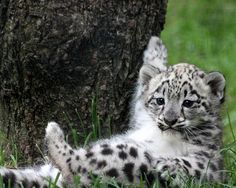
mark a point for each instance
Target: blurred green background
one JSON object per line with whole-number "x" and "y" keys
{"x": 203, "y": 32}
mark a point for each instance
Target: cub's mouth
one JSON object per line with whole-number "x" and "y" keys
{"x": 166, "y": 127}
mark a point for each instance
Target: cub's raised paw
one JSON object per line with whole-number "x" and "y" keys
{"x": 171, "y": 172}
{"x": 156, "y": 54}
{"x": 54, "y": 132}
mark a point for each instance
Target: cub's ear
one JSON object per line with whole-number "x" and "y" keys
{"x": 155, "y": 54}
{"x": 216, "y": 81}
{"x": 146, "y": 73}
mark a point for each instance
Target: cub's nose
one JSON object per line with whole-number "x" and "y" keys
{"x": 170, "y": 122}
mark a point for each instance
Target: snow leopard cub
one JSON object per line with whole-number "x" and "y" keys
{"x": 175, "y": 130}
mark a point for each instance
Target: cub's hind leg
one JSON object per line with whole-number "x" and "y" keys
{"x": 38, "y": 177}
{"x": 119, "y": 157}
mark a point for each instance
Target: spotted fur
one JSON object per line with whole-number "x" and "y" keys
{"x": 175, "y": 130}
{"x": 37, "y": 177}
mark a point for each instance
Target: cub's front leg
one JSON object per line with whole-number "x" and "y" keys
{"x": 201, "y": 166}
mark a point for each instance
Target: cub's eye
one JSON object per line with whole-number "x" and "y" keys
{"x": 188, "y": 103}
{"x": 160, "y": 101}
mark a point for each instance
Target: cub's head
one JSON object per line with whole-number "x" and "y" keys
{"x": 183, "y": 98}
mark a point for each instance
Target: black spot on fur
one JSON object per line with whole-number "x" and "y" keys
{"x": 104, "y": 145}
{"x": 205, "y": 106}
{"x": 212, "y": 146}
{"x": 65, "y": 146}
{"x": 150, "y": 179}
{"x": 70, "y": 168}
{"x": 148, "y": 157}
{"x": 186, "y": 170}
{"x": 187, "y": 163}
{"x": 84, "y": 170}
{"x": 89, "y": 176}
{"x": 176, "y": 160}
{"x": 57, "y": 146}
{"x": 122, "y": 155}
{"x": 101, "y": 164}
{"x": 71, "y": 152}
{"x": 213, "y": 167}
{"x": 25, "y": 183}
{"x": 143, "y": 171}
{"x": 120, "y": 146}
{"x": 198, "y": 142}
{"x": 203, "y": 153}
{"x": 112, "y": 173}
{"x": 197, "y": 174}
{"x": 93, "y": 161}
{"x": 35, "y": 184}
{"x": 211, "y": 177}
{"x": 200, "y": 165}
{"x": 79, "y": 169}
{"x": 89, "y": 154}
{"x": 173, "y": 175}
{"x": 9, "y": 178}
{"x": 107, "y": 151}
{"x": 68, "y": 160}
{"x": 185, "y": 93}
{"x": 128, "y": 170}
{"x": 133, "y": 152}
{"x": 165, "y": 167}
{"x": 77, "y": 157}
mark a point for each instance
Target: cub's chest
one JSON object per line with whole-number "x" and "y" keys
{"x": 171, "y": 146}
{"x": 160, "y": 143}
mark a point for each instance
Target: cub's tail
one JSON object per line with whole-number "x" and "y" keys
{"x": 40, "y": 177}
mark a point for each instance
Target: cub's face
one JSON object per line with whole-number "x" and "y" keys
{"x": 184, "y": 98}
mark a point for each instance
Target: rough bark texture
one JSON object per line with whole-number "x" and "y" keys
{"x": 55, "y": 55}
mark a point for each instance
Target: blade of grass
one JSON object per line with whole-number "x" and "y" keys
{"x": 230, "y": 125}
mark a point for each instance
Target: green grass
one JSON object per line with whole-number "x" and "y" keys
{"x": 200, "y": 32}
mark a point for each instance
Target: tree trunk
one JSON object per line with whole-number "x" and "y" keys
{"x": 56, "y": 55}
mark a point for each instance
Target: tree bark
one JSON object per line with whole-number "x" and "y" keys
{"x": 56, "y": 55}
